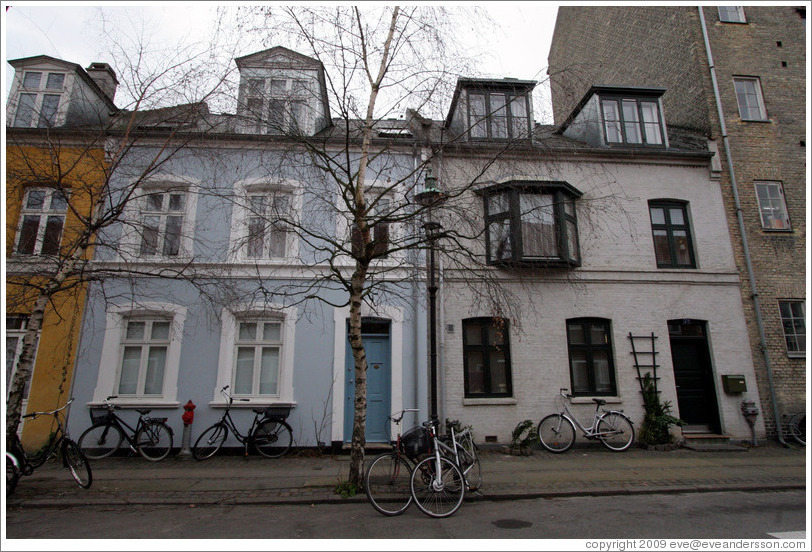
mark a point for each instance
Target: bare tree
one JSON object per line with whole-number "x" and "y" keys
{"x": 365, "y": 169}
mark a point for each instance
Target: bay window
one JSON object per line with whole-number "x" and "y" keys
{"x": 531, "y": 223}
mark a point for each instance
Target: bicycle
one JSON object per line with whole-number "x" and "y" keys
{"x": 797, "y": 427}
{"x": 437, "y": 483}
{"x": 23, "y": 463}
{"x": 386, "y": 481}
{"x": 151, "y": 437}
{"x": 611, "y": 427}
{"x": 270, "y": 434}
{"x": 461, "y": 448}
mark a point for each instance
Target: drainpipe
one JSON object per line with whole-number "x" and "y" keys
{"x": 750, "y": 274}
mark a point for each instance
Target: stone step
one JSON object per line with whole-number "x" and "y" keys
{"x": 709, "y": 442}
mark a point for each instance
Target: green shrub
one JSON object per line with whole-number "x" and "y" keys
{"x": 523, "y": 438}
{"x": 655, "y": 429}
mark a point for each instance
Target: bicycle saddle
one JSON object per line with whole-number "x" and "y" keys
{"x": 143, "y": 411}
{"x": 600, "y": 402}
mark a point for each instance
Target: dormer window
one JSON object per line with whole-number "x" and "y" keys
{"x": 531, "y": 223}
{"x": 498, "y": 114}
{"x": 632, "y": 121}
{"x": 277, "y": 105}
{"x": 39, "y": 99}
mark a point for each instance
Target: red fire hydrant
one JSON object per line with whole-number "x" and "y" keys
{"x": 188, "y": 413}
{"x": 188, "y": 417}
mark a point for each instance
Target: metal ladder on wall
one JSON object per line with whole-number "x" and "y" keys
{"x": 645, "y": 359}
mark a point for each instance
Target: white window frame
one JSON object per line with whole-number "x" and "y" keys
{"x": 133, "y": 221}
{"x": 759, "y": 95}
{"x": 230, "y": 320}
{"x": 777, "y": 204}
{"x": 307, "y": 96}
{"x": 112, "y": 351}
{"x": 792, "y": 354}
{"x": 372, "y": 191}
{"x": 45, "y": 213}
{"x": 732, "y": 14}
{"x": 39, "y": 94}
{"x": 241, "y": 212}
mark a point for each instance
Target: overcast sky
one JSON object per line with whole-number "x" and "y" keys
{"x": 517, "y": 47}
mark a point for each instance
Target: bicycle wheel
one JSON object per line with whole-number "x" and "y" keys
{"x": 437, "y": 498}
{"x": 12, "y": 474}
{"x": 272, "y": 438}
{"x": 210, "y": 442}
{"x": 797, "y": 427}
{"x": 154, "y": 441}
{"x": 74, "y": 459}
{"x": 469, "y": 462}
{"x": 387, "y": 484}
{"x": 100, "y": 440}
{"x": 615, "y": 431}
{"x": 556, "y": 433}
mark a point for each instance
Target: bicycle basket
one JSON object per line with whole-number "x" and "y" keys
{"x": 277, "y": 412}
{"x": 99, "y": 415}
{"x": 415, "y": 442}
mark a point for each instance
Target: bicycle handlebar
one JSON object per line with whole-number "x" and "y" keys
{"x": 51, "y": 413}
{"x": 397, "y": 418}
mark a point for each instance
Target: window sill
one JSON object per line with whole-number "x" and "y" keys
{"x": 777, "y": 230}
{"x": 491, "y": 401}
{"x": 252, "y": 403}
{"x": 138, "y": 403}
{"x": 796, "y": 355}
{"x": 755, "y": 120}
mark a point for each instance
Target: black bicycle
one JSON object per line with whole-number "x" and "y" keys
{"x": 19, "y": 462}
{"x": 151, "y": 437}
{"x": 269, "y": 433}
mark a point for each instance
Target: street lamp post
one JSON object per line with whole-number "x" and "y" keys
{"x": 430, "y": 198}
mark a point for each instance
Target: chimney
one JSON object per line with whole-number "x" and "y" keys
{"x": 104, "y": 76}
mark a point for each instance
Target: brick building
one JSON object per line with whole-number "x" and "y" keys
{"x": 749, "y": 64}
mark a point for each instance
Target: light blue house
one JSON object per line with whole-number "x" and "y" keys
{"x": 241, "y": 218}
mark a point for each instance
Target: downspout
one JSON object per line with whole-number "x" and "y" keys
{"x": 416, "y": 303}
{"x": 750, "y": 274}
{"x": 441, "y": 322}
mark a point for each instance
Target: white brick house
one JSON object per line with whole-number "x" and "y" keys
{"x": 600, "y": 228}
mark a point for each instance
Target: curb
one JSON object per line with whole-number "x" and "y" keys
{"x": 329, "y": 498}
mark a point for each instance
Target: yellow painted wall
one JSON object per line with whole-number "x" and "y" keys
{"x": 83, "y": 171}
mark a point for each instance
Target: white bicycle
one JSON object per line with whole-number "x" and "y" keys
{"x": 611, "y": 427}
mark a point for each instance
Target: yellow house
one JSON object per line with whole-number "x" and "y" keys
{"x": 55, "y": 167}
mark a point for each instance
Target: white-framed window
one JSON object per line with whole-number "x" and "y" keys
{"x": 750, "y": 99}
{"x": 42, "y": 220}
{"x": 256, "y": 353}
{"x": 262, "y": 215}
{"x": 141, "y": 354}
{"x": 39, "y": 99}
{"x": 732, "y": 14}
{"x": 16, "y": 326}
{"x": 793, "y": 319}
{"x": 160, "y": 220}
{"x": 266, "y": 227}
{"x": 772, "y": 206}
{"x": 278, "y": 104}
{"x": 144, "y": 346}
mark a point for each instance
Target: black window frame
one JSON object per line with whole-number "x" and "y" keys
{"x": 639, "y": 100}
{"x": 487, "y": 324}
{"x": 590, "y": 348}
{"x": 511, "y": 95}
{"x": 669, "y": 228}
{"x": 565, "y": 223}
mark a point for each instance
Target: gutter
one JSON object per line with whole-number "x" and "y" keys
{"x": 750, "y": 274}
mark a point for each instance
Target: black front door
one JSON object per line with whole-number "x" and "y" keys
{"x": 693, "y": 375}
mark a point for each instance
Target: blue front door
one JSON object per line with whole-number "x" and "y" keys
{"x": 379, "y": 388}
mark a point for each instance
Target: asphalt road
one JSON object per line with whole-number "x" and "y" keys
{"x": 717, "y": 515}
